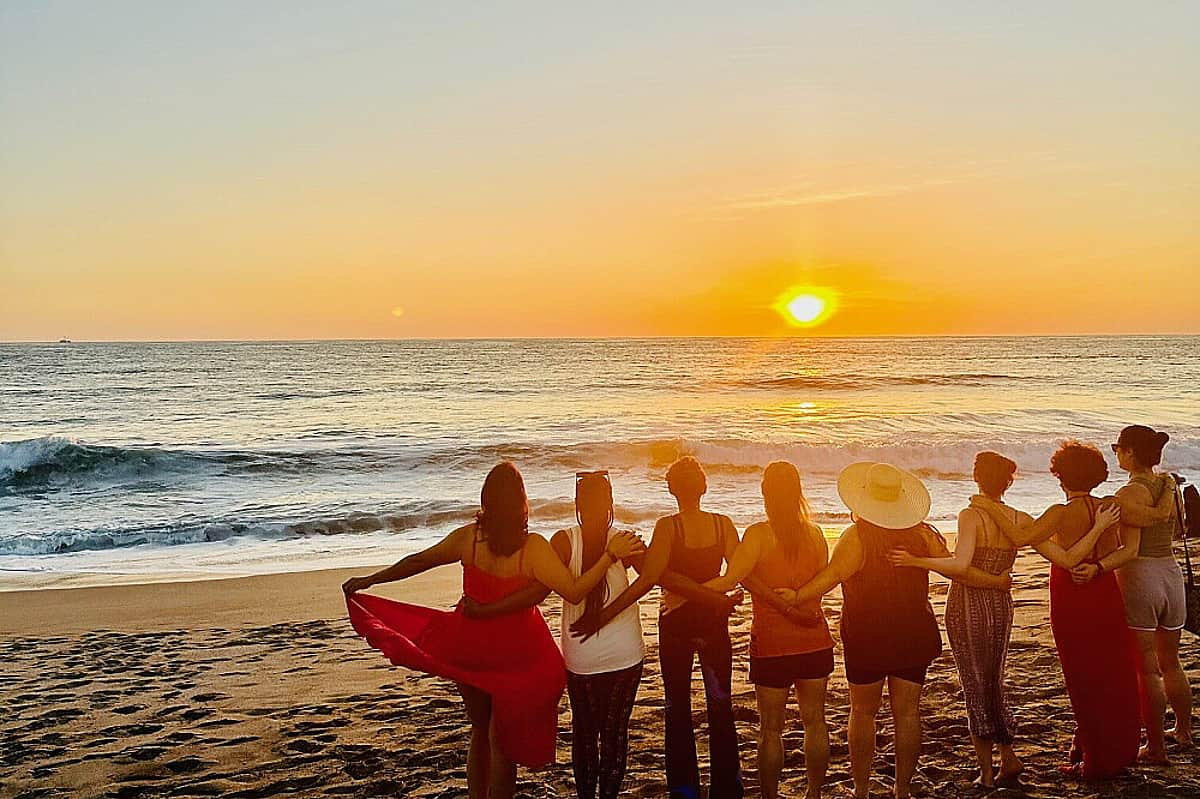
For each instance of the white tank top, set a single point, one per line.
(618, 645)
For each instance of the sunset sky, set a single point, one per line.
(377, 169)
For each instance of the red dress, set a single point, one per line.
(1099, 662)
(513, 658)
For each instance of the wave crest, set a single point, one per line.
(52, 459)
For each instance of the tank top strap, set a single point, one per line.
(678, 524)
(719, 531)
(476, 534)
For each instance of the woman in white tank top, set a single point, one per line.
(603, 671)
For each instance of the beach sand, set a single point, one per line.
(257, 687)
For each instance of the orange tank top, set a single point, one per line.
(771, 633)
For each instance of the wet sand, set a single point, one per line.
(257, 686)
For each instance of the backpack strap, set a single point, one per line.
(1187, 557)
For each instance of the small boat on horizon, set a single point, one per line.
(64, 340)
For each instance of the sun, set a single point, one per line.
(806, 306)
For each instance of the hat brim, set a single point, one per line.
(909, 509)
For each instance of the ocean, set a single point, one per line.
(178, 460)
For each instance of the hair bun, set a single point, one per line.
(1163, 438)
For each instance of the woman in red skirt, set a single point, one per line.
(508, 669)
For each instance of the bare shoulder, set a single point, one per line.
(936, 541)
(968, 517)
(536, 541)
(461, 538)
(561, 544)
(1134, 492)
(850, 537)
(663, 528)
(758, 529)
(759, 533)
(536, 546)
(817, 536)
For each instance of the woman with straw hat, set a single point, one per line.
(889, 632)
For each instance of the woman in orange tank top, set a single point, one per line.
(790, 646)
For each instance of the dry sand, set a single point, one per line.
(258, 687)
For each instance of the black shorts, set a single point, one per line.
(857, 676)
(785, 670)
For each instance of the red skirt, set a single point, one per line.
(513, 658)
(1099, 662)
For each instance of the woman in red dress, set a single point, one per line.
(1087, 614)
(508, 669)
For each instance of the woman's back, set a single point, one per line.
(698, 548)
(618, 645)
(1156, 539)
(994, 552)
(771, 633)
(989, 535)
(887, 620)
(488, 576)
(1076, 520)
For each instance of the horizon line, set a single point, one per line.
(599, 338)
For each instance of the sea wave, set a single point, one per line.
(848, 382)
(39, 462)
(35, 465)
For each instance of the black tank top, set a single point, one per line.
(887, 621)
(701, 564)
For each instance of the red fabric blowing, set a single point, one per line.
(514, 658)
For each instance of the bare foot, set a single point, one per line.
(1010, 773)
(1154, 758)
(981, 783)
(1182, 737)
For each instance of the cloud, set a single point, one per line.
(791, 200)
(1039, 162)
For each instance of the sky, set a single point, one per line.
(283, 170)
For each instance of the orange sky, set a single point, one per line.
(967, 175)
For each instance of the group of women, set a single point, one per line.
(1116, 596)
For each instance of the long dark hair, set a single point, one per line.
(787, 509)
(591, 490)
(503, 516)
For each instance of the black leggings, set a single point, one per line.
(600, 709)
(682, 635)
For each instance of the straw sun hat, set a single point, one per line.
(884, 495)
